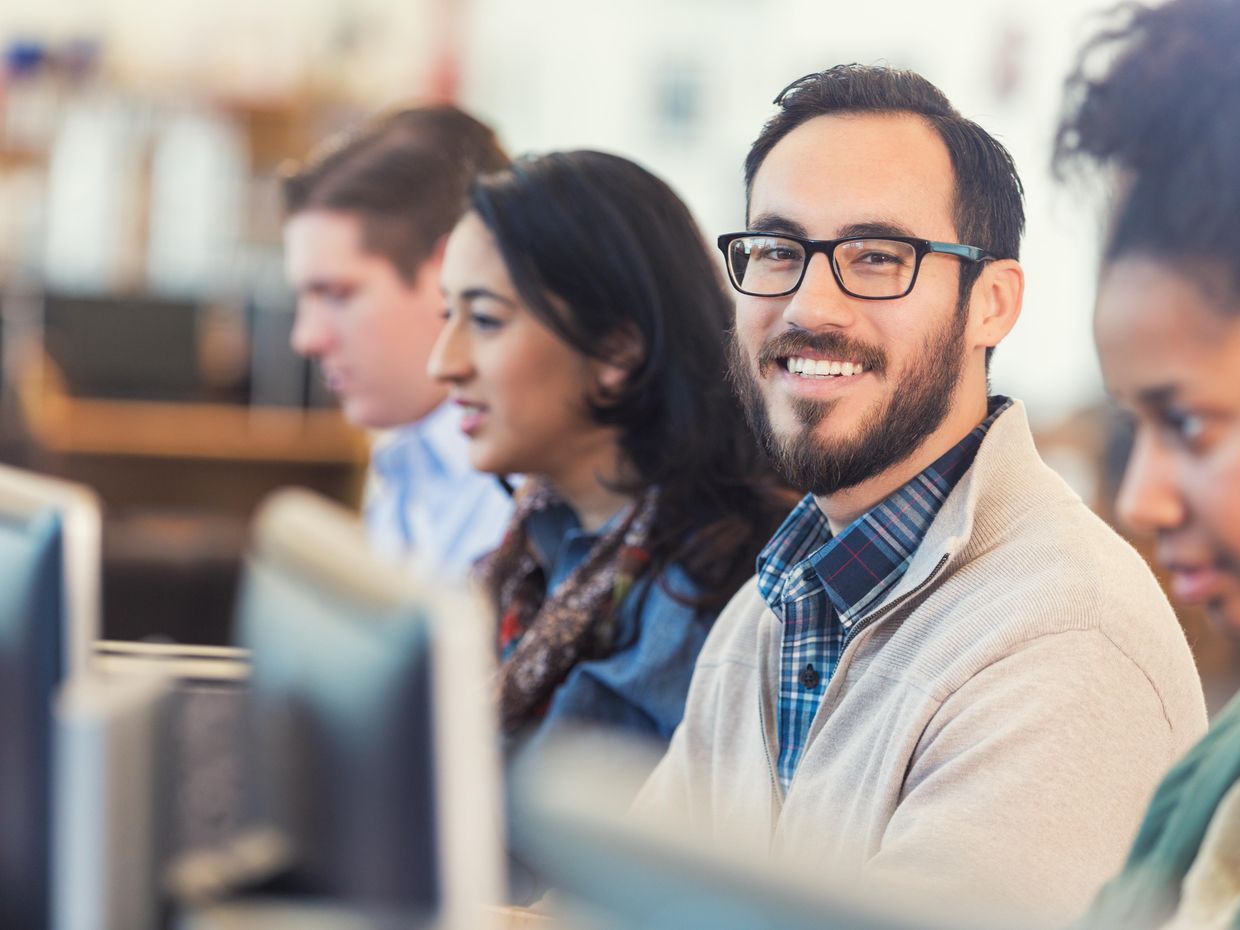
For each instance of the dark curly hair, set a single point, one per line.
(1154, 101)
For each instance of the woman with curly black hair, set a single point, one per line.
(1162, 119)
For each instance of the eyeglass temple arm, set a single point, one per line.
(970, 252)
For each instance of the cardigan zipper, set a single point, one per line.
(776, 801)
(860, 626)
(870, 619)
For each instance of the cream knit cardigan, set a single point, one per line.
(995, 728)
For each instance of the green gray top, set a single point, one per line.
(1147, 892)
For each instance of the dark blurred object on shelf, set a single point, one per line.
(126, 348)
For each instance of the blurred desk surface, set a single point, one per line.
(189, 663)
(273, 916)
(522, 918)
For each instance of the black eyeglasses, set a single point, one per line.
(868, 267)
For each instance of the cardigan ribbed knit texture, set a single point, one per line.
(995, 727)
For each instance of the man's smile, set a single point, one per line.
(821, 367)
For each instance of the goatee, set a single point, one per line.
(915, 407)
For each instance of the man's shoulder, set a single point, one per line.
(1050, 580)
(1070, 566)
(1029, 560)
(1030, 535)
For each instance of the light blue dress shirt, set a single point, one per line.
(422, 496)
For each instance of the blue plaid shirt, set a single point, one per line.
(819, 585)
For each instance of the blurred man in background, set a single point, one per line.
(366, 222)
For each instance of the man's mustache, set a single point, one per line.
(837, 346)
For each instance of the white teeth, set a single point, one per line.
(822, 368)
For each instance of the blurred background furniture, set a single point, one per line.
(125, 396)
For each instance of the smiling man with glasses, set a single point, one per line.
(947, 673)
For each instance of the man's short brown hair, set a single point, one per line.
(405, 176)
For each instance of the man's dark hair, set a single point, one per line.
(988, 208)
(405, 176)
(1155, 97)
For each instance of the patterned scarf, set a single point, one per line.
(541, 638)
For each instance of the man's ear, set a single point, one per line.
(622, 353)
(997, 297)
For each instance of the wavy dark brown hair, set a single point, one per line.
(598, 247)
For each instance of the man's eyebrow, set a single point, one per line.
(316, 285)
(775, 223)
(875, 228)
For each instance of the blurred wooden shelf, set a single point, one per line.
(62, 423)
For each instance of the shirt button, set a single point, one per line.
(810, 677)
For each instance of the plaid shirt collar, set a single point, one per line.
(858, 567)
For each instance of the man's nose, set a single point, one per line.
(312, 335)
(820, 303)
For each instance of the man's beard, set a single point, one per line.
(915, 407)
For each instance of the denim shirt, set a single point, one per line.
(641, 687)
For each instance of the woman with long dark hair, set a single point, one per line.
(586, 346)
(1162, 117)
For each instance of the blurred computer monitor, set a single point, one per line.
(147, 769)
(375, 749)
(31, 663)
(48, 615)
(23, 495)
(109, 794)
